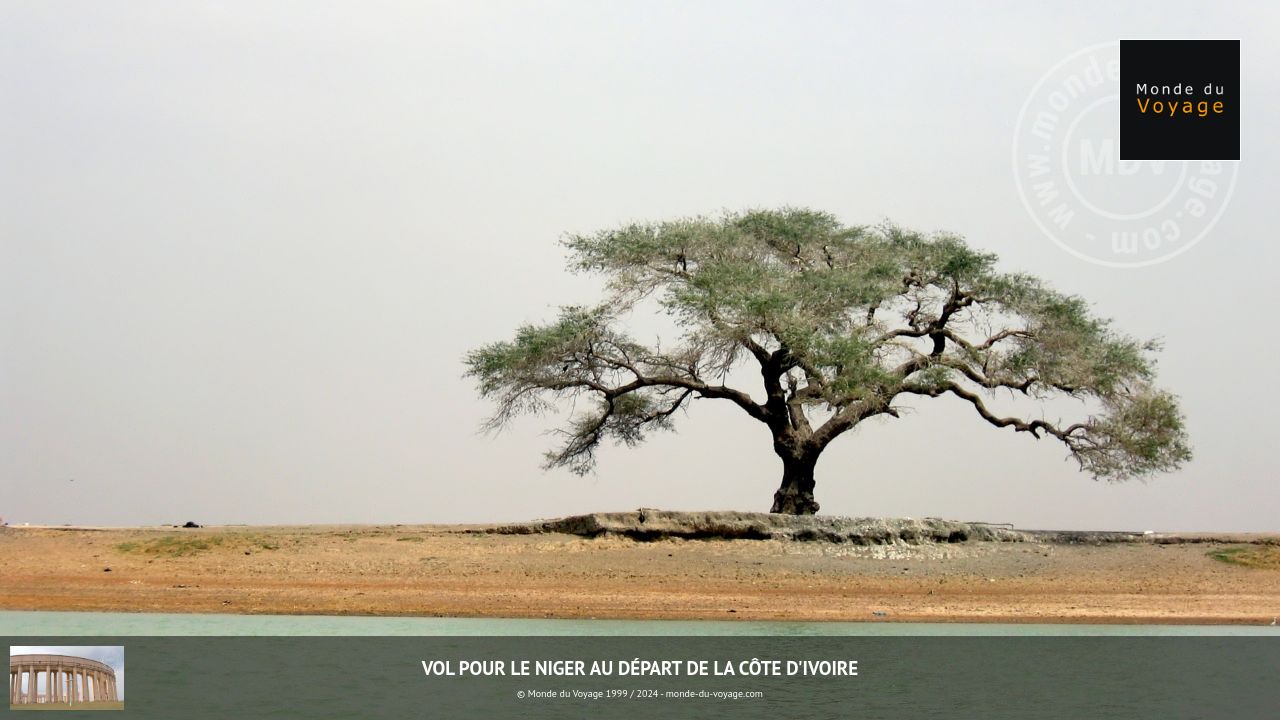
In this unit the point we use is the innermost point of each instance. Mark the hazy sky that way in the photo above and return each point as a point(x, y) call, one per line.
point(245, 246)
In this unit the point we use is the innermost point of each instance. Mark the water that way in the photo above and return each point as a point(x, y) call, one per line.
point(24, 623)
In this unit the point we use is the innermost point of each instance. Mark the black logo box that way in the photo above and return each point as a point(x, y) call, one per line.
point(1160, 77)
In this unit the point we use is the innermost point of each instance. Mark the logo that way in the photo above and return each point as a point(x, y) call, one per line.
point(1097, 204)
point(1180, 99)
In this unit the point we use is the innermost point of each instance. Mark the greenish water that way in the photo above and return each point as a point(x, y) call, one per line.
point(22, 623)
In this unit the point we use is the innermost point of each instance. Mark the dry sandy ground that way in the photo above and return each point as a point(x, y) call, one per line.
point(419, 570)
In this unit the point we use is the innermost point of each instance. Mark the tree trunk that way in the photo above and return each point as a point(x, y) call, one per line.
point(795, 496)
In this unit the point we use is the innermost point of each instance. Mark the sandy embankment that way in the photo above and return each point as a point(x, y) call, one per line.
point(443, 571)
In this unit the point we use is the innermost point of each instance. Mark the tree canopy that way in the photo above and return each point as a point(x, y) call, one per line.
point(842, 322)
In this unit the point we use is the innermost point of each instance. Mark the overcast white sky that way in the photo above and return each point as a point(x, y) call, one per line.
point(244, 247)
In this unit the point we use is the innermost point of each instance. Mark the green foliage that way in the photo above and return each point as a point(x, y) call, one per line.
point(625, 418)
point(1250, 556)
point(182, 545)
point(841, 321)
point(173, 545)
point(1141, 433)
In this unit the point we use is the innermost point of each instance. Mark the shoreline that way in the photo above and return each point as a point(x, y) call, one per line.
point(1184, 621)
point(457, 572)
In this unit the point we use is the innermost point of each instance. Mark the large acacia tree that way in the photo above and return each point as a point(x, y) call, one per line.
point(843, 324)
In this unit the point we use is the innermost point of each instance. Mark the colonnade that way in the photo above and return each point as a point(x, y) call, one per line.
point(38, 679)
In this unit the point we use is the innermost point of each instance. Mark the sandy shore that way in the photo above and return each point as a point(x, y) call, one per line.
point(442, 571)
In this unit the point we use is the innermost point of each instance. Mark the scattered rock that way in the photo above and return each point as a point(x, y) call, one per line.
point(1087, 537)
point(648, 524)
point(106, 569)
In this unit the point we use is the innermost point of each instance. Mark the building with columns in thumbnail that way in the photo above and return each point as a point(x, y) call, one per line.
point(40, 679)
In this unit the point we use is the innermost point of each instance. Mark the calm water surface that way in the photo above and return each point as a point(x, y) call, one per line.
point(113, 623)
